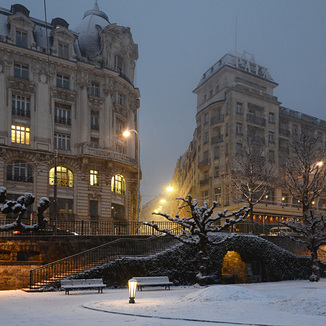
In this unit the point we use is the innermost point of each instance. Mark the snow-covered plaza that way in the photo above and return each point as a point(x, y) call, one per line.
point(297, 303)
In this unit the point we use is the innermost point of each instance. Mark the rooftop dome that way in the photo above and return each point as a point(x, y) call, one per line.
point(88, 31)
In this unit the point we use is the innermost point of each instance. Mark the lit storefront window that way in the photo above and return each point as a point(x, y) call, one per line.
point(65, 177)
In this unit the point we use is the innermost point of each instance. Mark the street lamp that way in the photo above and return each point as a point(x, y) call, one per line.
point(132, 284)
point(127, 134)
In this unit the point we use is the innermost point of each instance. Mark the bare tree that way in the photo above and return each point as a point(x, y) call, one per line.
point(304, 169)
point(19, 207)
point(304, 172)
point(313, 230)
point(196, 229)
point(251, 172)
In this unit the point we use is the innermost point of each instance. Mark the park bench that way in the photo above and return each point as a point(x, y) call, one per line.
point(153, 281)
point(82, 284)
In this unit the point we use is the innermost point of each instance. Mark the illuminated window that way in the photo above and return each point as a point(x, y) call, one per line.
point(19, 171)
point(93, 177)
point(63, 81)
point(20, 105)
point(21, 71)
point(65, 177)
point(20, 135)
point(118, 184)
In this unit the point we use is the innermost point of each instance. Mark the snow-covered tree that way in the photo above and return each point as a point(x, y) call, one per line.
point(313, 230)
point(19, 207)
point(251, 173)
point(304, 169)
point(195, 229)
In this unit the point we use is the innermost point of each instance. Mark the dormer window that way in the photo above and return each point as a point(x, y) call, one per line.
point(63, 51)
point(21, 71)
point(21, 39)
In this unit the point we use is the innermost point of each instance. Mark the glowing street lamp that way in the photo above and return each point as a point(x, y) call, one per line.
point(126, 134)
point(169, 189)
point(132, 284)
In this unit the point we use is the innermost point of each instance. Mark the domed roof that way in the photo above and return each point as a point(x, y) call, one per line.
point(88, 31)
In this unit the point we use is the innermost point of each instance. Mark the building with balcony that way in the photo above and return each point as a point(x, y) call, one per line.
point(65, 96)
point(235, 99)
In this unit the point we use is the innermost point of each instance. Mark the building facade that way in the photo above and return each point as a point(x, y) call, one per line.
point(235, 99)
point(65, 97)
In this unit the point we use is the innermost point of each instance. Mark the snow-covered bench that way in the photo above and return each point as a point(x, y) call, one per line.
point(153, 281)
point(83, 284)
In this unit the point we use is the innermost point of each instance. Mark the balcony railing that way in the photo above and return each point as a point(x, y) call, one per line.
point(204, 162)
point(217, 119)
point(217, 139)
point(284, 132)
point(256, 120)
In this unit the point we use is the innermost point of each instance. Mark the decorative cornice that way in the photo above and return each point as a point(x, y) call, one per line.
point(21, 85)
point(63, 94)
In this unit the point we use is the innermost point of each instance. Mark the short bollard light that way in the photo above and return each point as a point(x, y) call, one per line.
point(132, 284)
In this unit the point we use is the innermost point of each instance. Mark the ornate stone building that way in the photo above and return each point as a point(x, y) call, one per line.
point(234, 99)
point(65, 96)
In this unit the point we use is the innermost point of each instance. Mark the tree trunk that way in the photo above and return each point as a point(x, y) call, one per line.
point(315, 270)
point(202, 277)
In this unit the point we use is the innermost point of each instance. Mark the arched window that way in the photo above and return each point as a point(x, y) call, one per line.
point(118, 184)
point(118, 64)
point(19, 171)
point(65, 177)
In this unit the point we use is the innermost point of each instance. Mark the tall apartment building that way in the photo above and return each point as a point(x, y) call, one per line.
point(234, 99)
point(70, 92)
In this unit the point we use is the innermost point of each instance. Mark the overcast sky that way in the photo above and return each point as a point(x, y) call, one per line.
point(179, 40)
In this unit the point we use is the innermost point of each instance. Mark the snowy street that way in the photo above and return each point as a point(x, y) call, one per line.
point(297, 303)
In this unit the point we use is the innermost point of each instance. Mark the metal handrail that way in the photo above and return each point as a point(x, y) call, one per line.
point(78, 262)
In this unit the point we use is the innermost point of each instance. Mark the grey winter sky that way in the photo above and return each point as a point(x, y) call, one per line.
point(179, 40)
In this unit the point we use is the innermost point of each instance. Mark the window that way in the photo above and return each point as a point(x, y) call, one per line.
point(21, 39)
point(20, 135)
point(206, 138)
point(63, 81)
point(63, 51)
point(271, 156)
point(226, 130)
point(62, 141)
point(204, 196)
point(93, 210)
point(20, 105)
point(206, 118)
point(118, 64)
point(216, 152)
point(218, 195)
point(19, 171)
point(95, 90)
point(271, 117)
point(62, 114)
point(65, 177)
point(64, 209)
point(120, 125)
point(294, 129)
point(271, 137)
point(94, 120)
point(21, 71)
point(121, 99)
point(238, 149)
point(239, 108)
point(94, 142)
point(93, 177)
point(117, 211)
point(238, 128)
point(226, 149)
point(118, 184)
point(216, 172)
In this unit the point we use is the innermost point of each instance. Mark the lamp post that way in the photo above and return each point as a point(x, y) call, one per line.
point(132, 284)
point(127, 134)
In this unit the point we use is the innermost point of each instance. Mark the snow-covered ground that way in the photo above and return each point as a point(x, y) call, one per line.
point(298, 303)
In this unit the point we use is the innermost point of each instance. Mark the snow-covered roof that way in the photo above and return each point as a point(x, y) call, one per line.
point(244, 63)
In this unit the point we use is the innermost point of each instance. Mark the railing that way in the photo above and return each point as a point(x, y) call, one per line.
point(91, 228)
point(256, 120)
point(76, 263)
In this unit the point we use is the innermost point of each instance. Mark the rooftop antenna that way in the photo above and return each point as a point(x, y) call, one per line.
point(236, 34)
